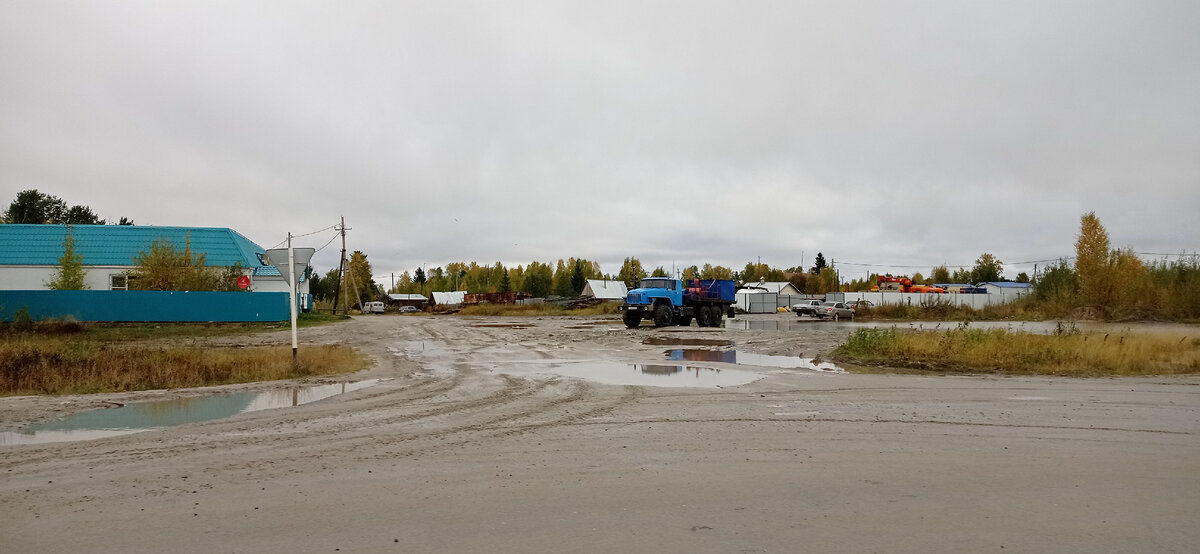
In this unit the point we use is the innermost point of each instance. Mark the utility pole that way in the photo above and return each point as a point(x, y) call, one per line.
point(341, 268)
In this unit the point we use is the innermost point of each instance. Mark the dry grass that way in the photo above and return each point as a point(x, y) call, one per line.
point(1001, 351)
point(38, 363)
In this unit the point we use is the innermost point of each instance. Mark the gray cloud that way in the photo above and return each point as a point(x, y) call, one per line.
point(915, 133)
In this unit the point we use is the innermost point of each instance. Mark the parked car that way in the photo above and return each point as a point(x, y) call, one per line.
point(372, 307)
point(835, 310)
point(409, 309)
point(860, 304)
point(807, 307)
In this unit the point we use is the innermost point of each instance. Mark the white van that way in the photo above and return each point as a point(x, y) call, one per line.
point(372, 308)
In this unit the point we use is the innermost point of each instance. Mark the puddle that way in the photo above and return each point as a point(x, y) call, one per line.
point(655, 375)
point(502, 325)
point(749, 358)
point(145, 416)
point(787, 323)
point(673, 341)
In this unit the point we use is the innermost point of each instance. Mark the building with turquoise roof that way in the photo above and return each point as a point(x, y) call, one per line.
point(30, 254)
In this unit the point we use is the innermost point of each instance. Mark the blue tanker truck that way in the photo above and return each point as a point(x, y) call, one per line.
point(669, 301)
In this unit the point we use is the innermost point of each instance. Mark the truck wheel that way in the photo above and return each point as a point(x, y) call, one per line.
point(663, 316)
point(715, 321)
point(632, 319)
point(703, 316)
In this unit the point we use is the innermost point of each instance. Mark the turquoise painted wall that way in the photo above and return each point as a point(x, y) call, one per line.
point(145, 305)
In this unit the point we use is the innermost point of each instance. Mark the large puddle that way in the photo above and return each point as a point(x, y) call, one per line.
point(145, 416)
point(684, 367)
point(751, 359)
point(654, 375)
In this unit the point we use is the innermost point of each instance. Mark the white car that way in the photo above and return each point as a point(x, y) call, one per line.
point(807, 307)
point(372, 308)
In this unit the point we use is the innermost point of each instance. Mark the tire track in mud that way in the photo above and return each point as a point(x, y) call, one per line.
point(408, 416)
point(425, 423)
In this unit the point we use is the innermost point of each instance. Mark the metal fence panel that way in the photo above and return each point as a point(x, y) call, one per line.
point(145, 305)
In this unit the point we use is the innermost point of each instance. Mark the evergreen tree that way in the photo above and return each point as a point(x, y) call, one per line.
point(578, 279)
point(818, 265)
point(70, 272)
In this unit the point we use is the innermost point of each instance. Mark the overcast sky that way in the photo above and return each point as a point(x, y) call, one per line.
point(889, 133)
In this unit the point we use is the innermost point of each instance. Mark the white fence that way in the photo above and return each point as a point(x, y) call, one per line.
point(975, 301)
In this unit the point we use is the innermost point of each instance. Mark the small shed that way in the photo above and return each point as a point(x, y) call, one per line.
point(755, 300)
point(605, 290)
point(449, 298)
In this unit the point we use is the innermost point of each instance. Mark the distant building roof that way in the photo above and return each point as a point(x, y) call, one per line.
point(605, 290)
point(1007, 284)
point(408, 298)
point(119, 245)
point(776, 287)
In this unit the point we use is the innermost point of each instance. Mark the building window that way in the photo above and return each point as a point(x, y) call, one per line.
point(119, 281)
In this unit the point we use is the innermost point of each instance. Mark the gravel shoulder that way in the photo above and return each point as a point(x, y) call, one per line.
point(474, 442)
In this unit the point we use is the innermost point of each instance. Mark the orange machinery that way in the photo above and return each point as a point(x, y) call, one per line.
point(904, 284)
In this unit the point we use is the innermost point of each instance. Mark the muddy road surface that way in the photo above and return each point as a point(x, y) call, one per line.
point(577, 435)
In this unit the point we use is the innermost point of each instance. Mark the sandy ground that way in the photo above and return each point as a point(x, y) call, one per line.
point(478, 442)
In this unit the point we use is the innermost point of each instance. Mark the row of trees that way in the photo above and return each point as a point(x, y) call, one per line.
point(36, 208)
point(1115, 284)
point(354, 287)
point(568, 277)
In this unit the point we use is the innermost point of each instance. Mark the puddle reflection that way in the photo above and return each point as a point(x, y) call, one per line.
point(144, 416)
point(680, 341)
point(749, 358)
point(655, 375)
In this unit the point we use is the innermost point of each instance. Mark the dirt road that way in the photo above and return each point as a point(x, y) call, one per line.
point(481, 440)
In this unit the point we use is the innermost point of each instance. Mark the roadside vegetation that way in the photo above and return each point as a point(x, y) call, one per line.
point(1066, 352)
point(1103, 284)
point(64, 357)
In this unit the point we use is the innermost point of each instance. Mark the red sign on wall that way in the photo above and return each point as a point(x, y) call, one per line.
point(243, 282)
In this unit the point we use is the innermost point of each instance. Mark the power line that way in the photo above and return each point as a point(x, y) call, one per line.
point(281, 243)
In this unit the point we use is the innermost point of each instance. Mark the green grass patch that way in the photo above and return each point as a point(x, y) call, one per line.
point(1000, 351)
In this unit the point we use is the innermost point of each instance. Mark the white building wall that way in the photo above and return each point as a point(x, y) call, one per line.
point(1010, 292)
point(100, 278)
point(36, 277)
